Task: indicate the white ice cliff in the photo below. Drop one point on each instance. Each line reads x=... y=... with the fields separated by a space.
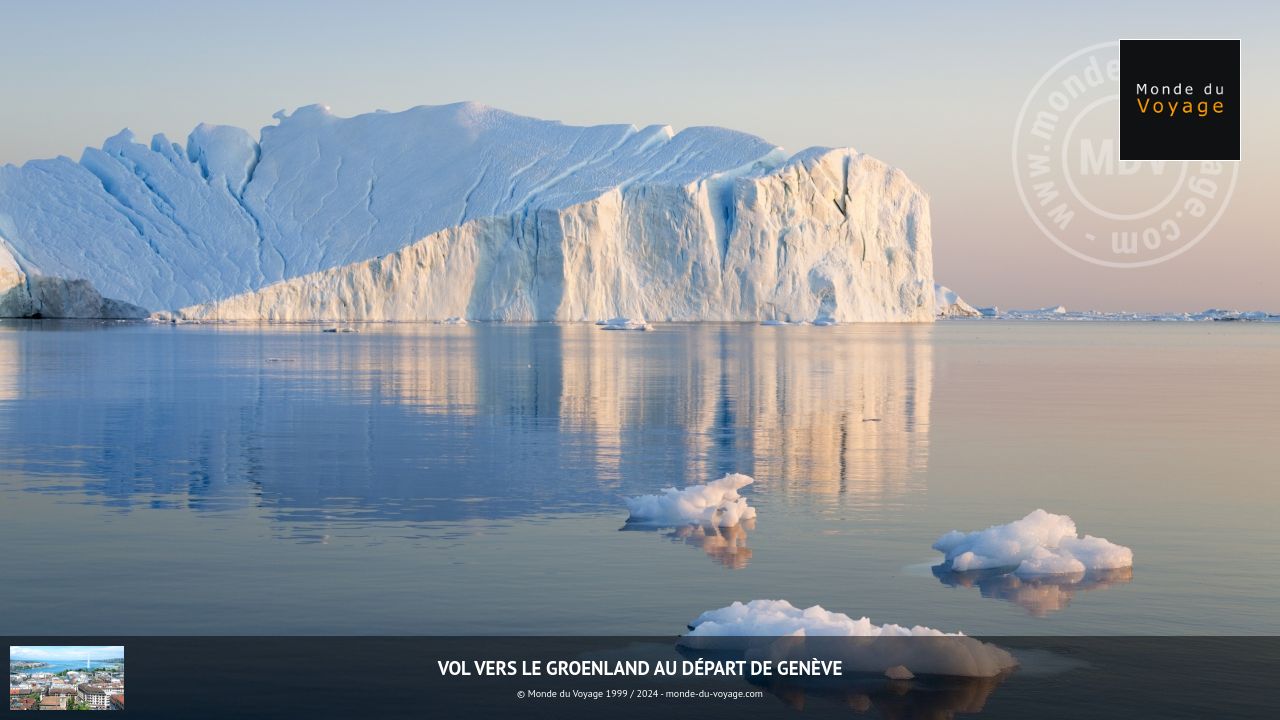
x=471 y=212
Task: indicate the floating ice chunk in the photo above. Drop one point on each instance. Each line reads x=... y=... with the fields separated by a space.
x=454 y=321
x=715 y=504
x=1041 y=543
x=824 y=322
x=776 y=618
x=622 y=323
x=779 y=630
x=899 y=672
x=339 y=330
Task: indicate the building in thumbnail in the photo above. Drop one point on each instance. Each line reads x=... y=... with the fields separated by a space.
x=93 y=696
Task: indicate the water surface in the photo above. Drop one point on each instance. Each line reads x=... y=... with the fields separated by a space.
x=452 y=480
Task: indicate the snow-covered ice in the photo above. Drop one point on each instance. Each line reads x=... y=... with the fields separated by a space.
x=468 y=211
x=776 y=628
x=716 y=504
x=1041 y=543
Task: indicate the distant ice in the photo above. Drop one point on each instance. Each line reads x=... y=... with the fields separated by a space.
x=776 y=628
x=1041 y=543
x=454 y=321
x=715 y=504
x=1060 y=313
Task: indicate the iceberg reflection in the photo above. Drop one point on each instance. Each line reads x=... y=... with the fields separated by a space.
x=1041 y=595
x=408 y=424
x=725 y=545
x=926 y=698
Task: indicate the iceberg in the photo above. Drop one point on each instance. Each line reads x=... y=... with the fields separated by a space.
x=714 y=504
x=951 y=305
x=26 y=294
x=471 y=212
x=778 y=630
x=1041 y=543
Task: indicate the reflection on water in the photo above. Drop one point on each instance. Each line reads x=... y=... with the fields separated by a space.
x=286 y=481
x=925 y=698
x=725 y=545
x=933 y=676
x=326 y=433
x=1040 y=596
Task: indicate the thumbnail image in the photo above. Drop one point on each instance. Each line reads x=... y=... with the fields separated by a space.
x=66 y=677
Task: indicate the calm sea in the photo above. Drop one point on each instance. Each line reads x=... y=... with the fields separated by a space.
x=457 y=480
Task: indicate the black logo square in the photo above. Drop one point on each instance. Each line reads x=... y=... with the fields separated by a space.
x=1179 y=99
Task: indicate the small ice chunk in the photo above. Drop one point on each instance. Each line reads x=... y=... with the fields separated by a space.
x=623 y=323
x=715 y=504
x=1041 y=543
x=899 y=672
x=454 y=321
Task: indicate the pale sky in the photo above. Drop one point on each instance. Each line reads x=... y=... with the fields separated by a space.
x=932 y=88
x=66 y=652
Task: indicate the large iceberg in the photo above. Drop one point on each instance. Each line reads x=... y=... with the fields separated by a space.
x=471 y=212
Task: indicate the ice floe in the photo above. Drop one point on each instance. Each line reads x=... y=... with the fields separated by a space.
x=624 y=323
x=715 y=504
x=777 y=630
x=1041 y=543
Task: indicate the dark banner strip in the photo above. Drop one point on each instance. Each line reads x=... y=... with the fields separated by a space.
x=617 y=677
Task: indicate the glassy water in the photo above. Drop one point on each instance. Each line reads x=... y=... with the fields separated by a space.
x=458 y=480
